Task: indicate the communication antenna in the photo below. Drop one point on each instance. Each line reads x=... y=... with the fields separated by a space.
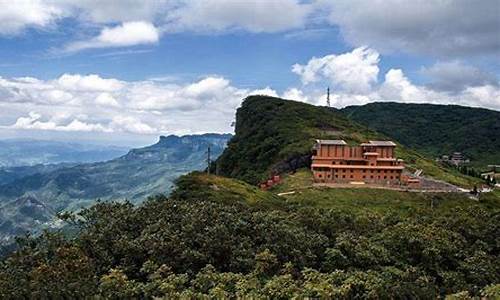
x=328 y=96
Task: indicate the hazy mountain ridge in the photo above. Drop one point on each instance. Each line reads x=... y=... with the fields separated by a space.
x=17 y=152
x=134 y=176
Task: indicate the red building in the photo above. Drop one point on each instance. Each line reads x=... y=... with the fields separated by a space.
x=372 y=162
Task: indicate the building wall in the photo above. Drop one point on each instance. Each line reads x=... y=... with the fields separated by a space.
x=336 y=158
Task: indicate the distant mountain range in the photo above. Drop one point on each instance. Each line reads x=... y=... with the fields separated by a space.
x=16 y=152
x=30 y=197
x=436 y=130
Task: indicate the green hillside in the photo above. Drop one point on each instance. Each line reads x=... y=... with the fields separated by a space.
x=222 y=238
x=219 y=237
x=273 y=135
x=436 y=130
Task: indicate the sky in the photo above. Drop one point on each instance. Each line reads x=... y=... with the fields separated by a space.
x=124 y=72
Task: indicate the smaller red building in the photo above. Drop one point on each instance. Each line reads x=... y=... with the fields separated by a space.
x=371 y=162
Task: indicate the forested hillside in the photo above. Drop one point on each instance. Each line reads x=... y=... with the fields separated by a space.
x=436 y=129
x=274 y=135
x=223 y=238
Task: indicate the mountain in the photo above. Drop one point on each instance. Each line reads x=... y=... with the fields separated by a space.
x=15 y=152
x=222 y=237
x=273 y=135
x=436 y=130
x=9 y=174
x=138 y=174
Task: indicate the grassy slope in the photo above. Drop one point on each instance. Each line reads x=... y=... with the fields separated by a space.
x=360 y=201
x=376 y=200
x=199 y=185
x=436 y=129
x=270 y=131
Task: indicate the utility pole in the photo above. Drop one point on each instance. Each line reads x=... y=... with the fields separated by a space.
x=328 y=96
x=208 y=160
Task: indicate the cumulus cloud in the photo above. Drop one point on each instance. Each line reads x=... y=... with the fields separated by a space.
x=33 y=121
x=441 y=28
x=91 y=103
x=92 y=82
x=126 y=34
x=456 y=76
x=222 y=15
x=354 y=71
x=15 y=16
x=354 y=74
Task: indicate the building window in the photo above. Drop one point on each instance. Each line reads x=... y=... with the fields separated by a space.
x=364 y=176
x=371 y=176
x=336 y=176
x=352 y=176
x=372 y=171
x=328 y=175
x=378 y=171
x=319 y=175
x=343 y=171
x=392 y=177
x=364 y=171
x=343 y=176
x=333 y=162
x=385 y=177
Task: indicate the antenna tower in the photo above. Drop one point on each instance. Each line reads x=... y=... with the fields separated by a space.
x=328 y=96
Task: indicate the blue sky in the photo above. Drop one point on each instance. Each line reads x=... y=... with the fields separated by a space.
x=127 y=71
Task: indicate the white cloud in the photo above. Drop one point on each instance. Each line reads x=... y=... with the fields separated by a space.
x=131 y=124
x=442 y=28
x=15 y=16
x=33 y=122
x=106 y=99
x=222 y=15
x=115 y=11
x=295 y=94
x=91 y=103
x=354 y=71
x=126 y=34
x=456 y=76
x=357 y=83
x=92 y=82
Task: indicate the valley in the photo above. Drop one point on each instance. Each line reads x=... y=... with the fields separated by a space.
x=31 y=201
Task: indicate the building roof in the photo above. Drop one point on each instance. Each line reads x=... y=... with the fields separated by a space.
x=332 y=142
x=379 y=143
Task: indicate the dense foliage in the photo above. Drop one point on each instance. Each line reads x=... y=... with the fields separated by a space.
x=436 y=129
x=222 y=238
